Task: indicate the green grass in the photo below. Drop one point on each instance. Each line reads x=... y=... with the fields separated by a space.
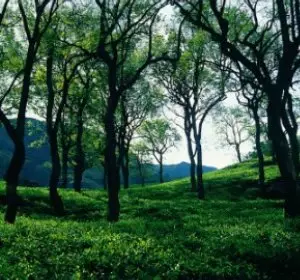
x=164 y=233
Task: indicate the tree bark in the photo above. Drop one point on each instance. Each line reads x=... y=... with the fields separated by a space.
x=200 y=185
x=11 y=178
x=238 y=152
x=113 y=177
x=140 y=168
x=187 y=131
x=55 y=198
x=291 y=126
x=65 y=147
x=260 y=155
x=125 y=168
x=193 y=164
x=283 y=156
x=79 y=153
x=52 y=132
x=18 y=158
x=161 y=171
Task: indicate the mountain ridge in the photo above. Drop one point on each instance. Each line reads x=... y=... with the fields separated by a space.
x=36 y=170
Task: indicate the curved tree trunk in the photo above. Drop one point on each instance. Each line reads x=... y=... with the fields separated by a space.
x=17 y=135
x=260 y=155
x=281 y=147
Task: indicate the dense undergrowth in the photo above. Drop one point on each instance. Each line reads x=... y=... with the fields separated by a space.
x=164 y=233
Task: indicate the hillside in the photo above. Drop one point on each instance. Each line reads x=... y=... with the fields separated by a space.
x=36 y=170
x=164 y=233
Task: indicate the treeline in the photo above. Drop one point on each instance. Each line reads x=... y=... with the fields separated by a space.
x=100 y=72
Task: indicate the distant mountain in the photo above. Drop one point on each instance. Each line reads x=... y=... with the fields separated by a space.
x=180 y=170
x=36 y=170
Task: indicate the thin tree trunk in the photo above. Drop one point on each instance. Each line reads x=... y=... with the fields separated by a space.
x=55 y=198
x=65 y=155
x=140 y=168
x=283 y=157
x=238 y=152
x=79 y=154
x=260 y=155
x=200 y=185
x=192 y=167
x=161 y=171
x=188 y=130
x=125 y=168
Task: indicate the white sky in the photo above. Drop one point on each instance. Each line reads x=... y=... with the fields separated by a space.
x=213 y=153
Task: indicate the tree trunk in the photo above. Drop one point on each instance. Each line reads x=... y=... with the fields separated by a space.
x=113 y=177
x=65 y=159
x=260 y=155
x=161 y=171
x=291 y=126
x=104 y=178
x=238 y=152
x=125 y=168
x=55 y=198
x=78 y=173
x=200 y=185
x=18 y=158
x=65 y=155
x=140 y=168
x=11 y=178
x=79 y=153
x=187 y=130
x=283 y=155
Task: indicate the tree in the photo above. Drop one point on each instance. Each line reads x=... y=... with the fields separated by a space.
x=123 y=24
x=35 y=23
x=142 y=155
x=142 y=100
x=233 y=126
x=159 y=137
x=196 y=89
x=249 y=42
x=252 y=100
x=81 y=104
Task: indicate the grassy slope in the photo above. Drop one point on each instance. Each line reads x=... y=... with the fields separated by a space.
x=164 y=233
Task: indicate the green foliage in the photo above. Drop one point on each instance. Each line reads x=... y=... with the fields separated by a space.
x=159 y=135
x=164 y=233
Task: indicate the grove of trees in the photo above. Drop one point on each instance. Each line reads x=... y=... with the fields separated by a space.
x=100 y=73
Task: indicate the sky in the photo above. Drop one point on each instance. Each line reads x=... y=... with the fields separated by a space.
x=214 y=153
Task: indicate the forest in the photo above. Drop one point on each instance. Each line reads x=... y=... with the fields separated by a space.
x=114 y=86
